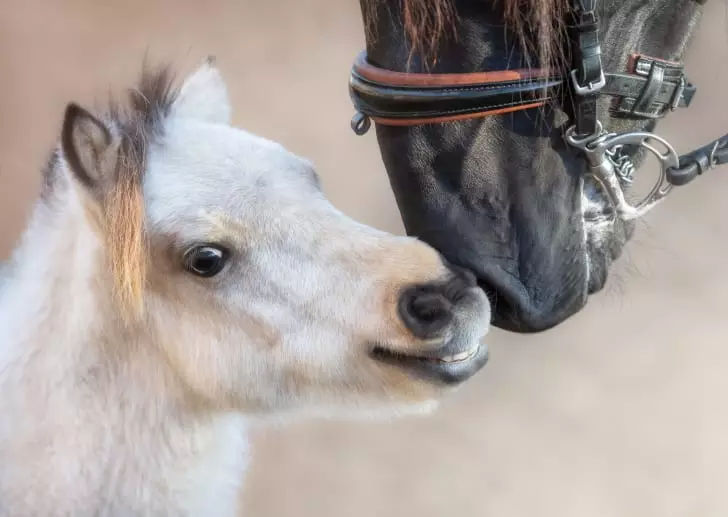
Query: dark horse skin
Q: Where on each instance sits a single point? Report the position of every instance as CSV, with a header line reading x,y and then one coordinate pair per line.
x,y
502,195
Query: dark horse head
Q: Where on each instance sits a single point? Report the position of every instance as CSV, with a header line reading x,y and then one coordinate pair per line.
x,y
504,196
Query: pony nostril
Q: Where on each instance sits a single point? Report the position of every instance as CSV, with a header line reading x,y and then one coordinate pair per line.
x,y
429,308
425,311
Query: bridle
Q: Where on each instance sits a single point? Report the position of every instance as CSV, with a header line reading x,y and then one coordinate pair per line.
x,y
650,89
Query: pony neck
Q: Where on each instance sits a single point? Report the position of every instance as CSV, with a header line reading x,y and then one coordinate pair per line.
x,y
51,290
86,404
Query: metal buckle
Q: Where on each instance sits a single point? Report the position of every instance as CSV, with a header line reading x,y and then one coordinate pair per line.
x,y
591,87
595,148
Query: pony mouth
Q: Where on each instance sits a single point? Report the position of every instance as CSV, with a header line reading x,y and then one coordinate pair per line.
x,y
450,365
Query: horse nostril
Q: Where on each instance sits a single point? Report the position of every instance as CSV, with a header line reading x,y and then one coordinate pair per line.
x,y
425,311
466,277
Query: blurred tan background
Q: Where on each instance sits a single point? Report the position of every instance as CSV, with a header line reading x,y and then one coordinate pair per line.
x,y
621,412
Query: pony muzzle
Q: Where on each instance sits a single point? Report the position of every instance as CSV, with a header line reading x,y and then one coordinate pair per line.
x,y
427,310
448,321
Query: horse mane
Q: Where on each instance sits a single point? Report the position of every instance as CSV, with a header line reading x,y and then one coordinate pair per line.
x,y
538,25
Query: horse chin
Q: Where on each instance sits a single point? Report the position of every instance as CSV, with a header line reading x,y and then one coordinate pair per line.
x,y
597,261
605,236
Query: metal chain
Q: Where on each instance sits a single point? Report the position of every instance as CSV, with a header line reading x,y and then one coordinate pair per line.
x,y
623,165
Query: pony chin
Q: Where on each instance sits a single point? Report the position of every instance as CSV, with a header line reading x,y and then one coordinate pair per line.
x,y
366,412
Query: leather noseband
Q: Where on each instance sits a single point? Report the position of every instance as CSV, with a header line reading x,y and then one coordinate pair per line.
x,y
404,99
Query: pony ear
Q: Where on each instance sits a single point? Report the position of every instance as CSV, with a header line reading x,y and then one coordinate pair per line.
x,y
204,96
90,148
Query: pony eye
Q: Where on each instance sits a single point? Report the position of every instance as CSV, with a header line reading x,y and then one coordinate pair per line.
x,y
205,261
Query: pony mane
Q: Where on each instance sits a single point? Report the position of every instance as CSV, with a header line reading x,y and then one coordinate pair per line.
x,y
538,25
138,120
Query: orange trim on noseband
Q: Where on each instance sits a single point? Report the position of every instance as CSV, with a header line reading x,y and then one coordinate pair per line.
x,y
388,77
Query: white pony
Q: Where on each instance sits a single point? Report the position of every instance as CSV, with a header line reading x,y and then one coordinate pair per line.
x,y
180,277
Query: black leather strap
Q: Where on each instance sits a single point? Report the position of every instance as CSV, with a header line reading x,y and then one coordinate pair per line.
x,y
654,82
587,73
653,89
384,101
628,88
699,161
